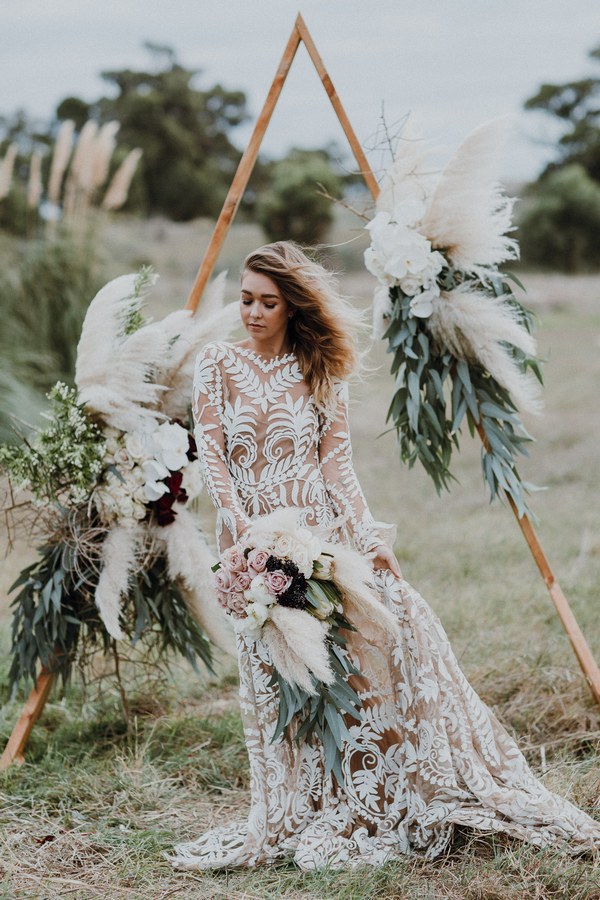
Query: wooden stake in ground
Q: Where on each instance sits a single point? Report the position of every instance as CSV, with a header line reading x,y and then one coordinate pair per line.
x,y
300,33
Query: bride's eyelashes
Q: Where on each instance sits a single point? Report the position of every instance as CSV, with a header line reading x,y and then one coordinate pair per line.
x,y
267,305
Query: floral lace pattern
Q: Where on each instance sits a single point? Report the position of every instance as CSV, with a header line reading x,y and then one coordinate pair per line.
x,y
427,754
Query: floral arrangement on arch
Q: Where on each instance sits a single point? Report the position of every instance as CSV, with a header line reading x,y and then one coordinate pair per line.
x,y
303,595
104,487
461,342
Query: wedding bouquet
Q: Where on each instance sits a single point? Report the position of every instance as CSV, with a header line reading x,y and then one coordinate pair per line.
x,y
285,584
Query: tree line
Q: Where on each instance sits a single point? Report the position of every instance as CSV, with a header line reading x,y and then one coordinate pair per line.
x,y
186,132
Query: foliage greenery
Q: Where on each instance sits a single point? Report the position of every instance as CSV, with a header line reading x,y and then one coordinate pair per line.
x,y
56,623
304,716
435,392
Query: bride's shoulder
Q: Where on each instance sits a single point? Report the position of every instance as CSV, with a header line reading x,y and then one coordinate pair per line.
x,y
213,350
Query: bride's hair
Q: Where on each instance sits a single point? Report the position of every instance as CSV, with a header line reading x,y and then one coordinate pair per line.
x,y
323,326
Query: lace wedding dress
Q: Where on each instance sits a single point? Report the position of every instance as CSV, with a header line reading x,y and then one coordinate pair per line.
x,y
431,755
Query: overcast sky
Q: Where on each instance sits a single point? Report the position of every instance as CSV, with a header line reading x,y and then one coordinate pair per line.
x,y
451,64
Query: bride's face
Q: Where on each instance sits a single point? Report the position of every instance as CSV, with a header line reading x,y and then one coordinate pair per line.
x,y
264,312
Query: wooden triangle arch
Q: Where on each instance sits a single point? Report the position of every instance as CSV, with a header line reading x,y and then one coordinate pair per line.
x,y
36,701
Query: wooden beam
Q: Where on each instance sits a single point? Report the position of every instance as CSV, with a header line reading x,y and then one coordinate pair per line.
x,y
13,752
243,173
363,166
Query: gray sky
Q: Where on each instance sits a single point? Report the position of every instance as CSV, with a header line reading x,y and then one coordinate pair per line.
x,y
451,64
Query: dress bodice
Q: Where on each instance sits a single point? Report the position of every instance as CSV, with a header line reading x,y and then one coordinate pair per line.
x,y
263,444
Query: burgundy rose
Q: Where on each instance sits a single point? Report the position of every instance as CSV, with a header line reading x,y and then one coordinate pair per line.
x,y
174,482
277,581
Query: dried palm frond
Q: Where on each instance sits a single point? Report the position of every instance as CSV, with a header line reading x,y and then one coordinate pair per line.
x,y
82,165
7,165
305,636
60,160
118,561
103,149
187,332
478,327
468,215
411,175
113,368
118,189
34,185
189,560
288,663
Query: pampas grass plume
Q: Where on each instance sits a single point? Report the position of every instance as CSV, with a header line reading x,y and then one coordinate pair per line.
x,y
60,160
34,185
118,560
6,169
103,149
118,189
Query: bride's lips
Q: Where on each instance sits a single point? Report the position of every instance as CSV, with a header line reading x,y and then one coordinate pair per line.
x,y
254,325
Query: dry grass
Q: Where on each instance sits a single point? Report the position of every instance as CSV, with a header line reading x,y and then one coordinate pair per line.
x,y
94,807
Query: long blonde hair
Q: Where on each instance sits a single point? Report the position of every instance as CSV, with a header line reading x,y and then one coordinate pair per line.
x,y
323,328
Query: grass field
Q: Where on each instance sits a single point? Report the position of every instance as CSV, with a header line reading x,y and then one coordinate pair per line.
x,y
95,805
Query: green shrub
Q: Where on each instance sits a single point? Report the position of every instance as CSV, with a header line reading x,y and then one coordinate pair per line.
x,y
560,224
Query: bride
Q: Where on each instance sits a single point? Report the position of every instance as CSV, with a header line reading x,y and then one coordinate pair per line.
x,y
272,431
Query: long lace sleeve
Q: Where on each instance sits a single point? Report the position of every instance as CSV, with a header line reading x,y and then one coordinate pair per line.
x,y
207,408
343,487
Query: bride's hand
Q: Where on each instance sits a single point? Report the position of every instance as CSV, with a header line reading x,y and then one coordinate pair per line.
x,y
384,559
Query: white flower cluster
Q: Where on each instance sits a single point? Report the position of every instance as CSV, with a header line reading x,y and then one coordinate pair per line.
x,y
136,462
400,255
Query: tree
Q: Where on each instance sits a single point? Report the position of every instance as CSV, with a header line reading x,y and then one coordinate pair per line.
x,y
577,105
293,206
184,132
560,226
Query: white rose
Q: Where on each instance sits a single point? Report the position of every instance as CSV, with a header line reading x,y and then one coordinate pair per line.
x,y
256,616
411,284
259,593
283,546
136,445
123,458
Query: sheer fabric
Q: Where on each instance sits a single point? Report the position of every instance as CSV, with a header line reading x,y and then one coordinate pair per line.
x,y
427,753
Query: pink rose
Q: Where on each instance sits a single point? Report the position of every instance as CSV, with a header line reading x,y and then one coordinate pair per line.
x,y
222,579
236,603
277,581
257,561
223,599
241,582
233,559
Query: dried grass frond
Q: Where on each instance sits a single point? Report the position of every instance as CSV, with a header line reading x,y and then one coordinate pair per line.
x,y
7,165
118,189
60,160
103,149
34,184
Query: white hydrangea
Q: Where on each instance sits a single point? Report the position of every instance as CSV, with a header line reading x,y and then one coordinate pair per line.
x,y
400,255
